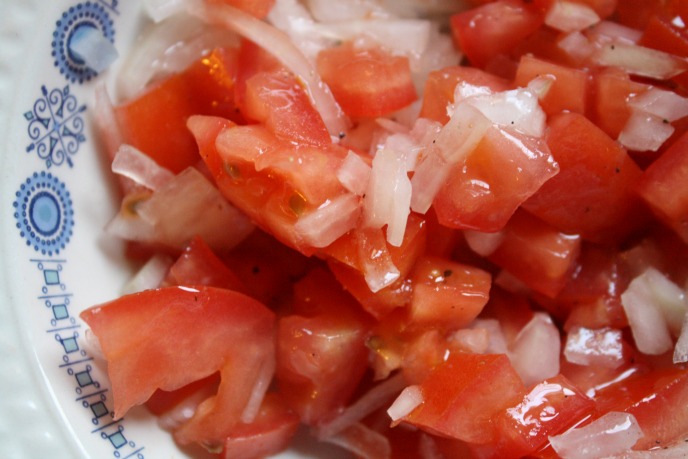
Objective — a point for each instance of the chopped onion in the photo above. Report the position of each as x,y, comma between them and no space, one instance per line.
363,442
541,85
331,220
536,349
354,173
600,347
338,11
409,399
92,345
666,105
606,31
644,132
159,10
677,450
139,167
484,244
497,340
681,348
669,298
639,60
279,45
106,121
610,434
371,401
259,389
150,275
428,178
183,411
576,45
475,340
648,323
569,16
378,268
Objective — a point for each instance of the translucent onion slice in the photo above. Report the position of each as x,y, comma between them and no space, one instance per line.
354,173
644,132
330,221
536,349
607,31
639,60
159,10
666,105
681,348
279,45
569,16
484,244
363,442
409,399
142,169
608,435
576,45
150,275
599,347
260,388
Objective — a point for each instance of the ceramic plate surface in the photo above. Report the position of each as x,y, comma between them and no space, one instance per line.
55,401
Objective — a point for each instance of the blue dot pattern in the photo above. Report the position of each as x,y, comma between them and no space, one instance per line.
44,213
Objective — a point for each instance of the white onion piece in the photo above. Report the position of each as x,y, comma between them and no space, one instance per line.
190,205
681,348
613,433
462,133
292,17
280,46
139,167
130,228
576,45
388,196
106,121
354,173
661,103
475,340
599,347
330,221
536,349
648,323
409,399
378,267
438,54
669,298
484,244
363,442
606,31
497,340
644,132
541,85
182,412
428,178
159,10
150,275
336,11
568,16
371,401
259,389
678,450
639,60
92,345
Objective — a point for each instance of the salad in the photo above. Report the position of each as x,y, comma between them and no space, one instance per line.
432,229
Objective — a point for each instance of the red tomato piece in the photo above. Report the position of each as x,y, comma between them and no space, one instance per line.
257,8
593,193
661,34
168,338
447,294
549,408
569,90
494,29
461,396
155,122
269,434
321,351
505,169
368,81
251,60
440,85
537,254
278,101
662,186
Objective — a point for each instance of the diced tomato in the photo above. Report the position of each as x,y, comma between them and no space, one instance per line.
269,434
321,352
657,400
569,90
440,85
461,396
168,338
494,29
593,193
198,265
155,122
447,294
251,60
278,101
536,253
662,186
663,35
603,8
258,8
505,169
366,81
549,408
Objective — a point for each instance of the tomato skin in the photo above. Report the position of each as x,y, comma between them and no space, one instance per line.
504,170
463,393
440,85
155,122
367,82
168,338
589,160
662,186
493,29
537,254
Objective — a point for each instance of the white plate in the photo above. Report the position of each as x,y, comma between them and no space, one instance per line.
54,398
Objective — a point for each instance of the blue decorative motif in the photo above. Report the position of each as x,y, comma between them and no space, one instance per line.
91,15
56,126
44,214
